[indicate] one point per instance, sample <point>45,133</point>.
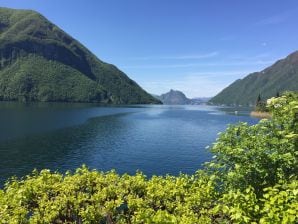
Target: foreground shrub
<point>252,179</point>
<point>90,196</point>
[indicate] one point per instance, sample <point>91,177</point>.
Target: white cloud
<point>276,19</point>
<point>188,65</point>
<point>195,84</point>
<point>178,57</point>
<point>197,56</point>
<point>220,74</point>
<point>207,79</point>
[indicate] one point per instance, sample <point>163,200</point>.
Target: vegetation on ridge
<point>40,62</point>
<point>251,179</point>
<point>281,76</point>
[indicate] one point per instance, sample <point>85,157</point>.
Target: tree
<point>252,178</point>
<point>260,105</point>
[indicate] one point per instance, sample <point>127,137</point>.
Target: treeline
<point>252,178</point>
<point>261,104</point>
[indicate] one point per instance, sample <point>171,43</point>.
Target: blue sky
<point>196,46</point>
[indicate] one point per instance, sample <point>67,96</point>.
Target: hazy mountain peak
<point>174,97</point>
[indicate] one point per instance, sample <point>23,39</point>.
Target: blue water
<point>153,139</point>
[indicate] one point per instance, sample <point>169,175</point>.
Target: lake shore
<point>260,114</point>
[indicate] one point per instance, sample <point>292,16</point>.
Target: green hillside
<point>40,62</point>
<point>281,76</point>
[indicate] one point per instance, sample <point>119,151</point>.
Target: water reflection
<point>153,139</point>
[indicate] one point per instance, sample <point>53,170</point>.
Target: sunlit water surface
<point>153,139</point>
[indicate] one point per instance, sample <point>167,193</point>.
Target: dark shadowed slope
<point>281,76</point>
<point>40,62</point>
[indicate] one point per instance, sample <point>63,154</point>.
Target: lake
<point>155,139</point>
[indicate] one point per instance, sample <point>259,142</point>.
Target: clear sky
<point>197,46</point>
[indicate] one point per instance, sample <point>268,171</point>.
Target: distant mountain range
<point>281,76</point>
<point>40,62</point>
<point>199,100</point>
<point>175,97</point>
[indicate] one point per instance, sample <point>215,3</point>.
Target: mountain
<point>174,97</point>
<point>281,76</point>
<point>199,100</point>
<point>40,62</point>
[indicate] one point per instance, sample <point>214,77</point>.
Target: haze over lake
<point>155,139</point>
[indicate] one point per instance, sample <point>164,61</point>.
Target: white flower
<point>277,105</point>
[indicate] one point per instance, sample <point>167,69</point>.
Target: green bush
<point>251,179</point>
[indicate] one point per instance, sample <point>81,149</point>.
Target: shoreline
<point>260,114</point>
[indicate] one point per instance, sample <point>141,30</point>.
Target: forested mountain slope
<point>40,62</point>
<point>281,76</point>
